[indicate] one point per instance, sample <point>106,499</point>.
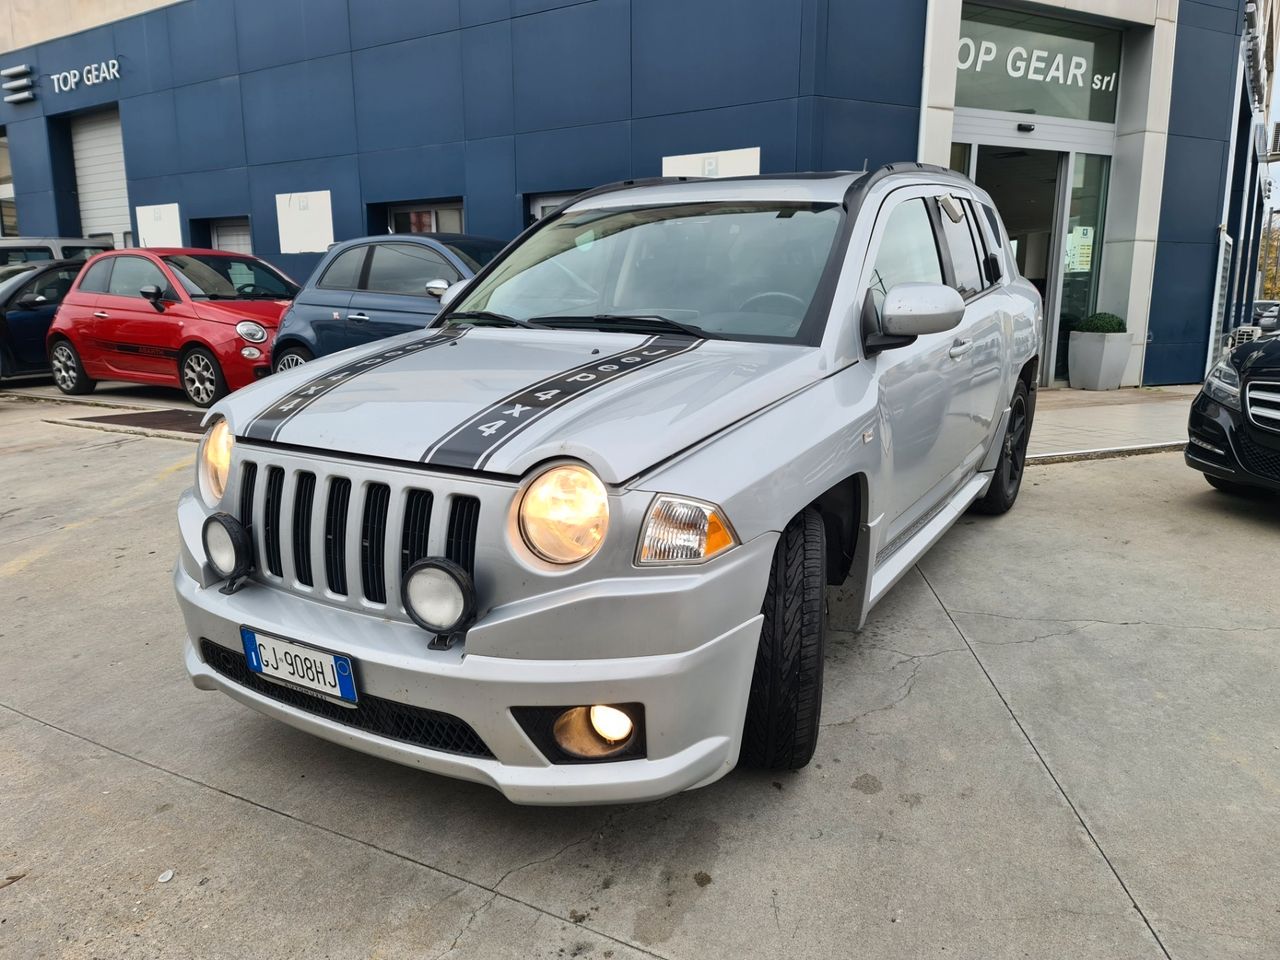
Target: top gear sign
<point>89,75</point>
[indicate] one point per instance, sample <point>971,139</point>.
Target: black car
<point>29,297</point>
<point>1234,429</point>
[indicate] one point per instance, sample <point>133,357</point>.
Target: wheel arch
<point>843,508</point>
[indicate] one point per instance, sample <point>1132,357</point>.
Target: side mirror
<point>152,294</point>
<point>30,301</point>
<point>451,293</point>
<point>437,288</point>
<point>915,310</point>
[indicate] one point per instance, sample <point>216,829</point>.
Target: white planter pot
<point>1096,361</point>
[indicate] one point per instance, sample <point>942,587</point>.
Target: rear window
<point>24,254</point>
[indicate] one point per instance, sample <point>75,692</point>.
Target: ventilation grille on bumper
<point>384,718</point>
<point>1257,459</point>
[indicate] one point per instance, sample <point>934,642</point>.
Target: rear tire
<point>1007,481</point>
<point>290,357</point>
<point>201,376</point>
<point>68,371</point>
<point>1233,488</point>
<point>785,702</point>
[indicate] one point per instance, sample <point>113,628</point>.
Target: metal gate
<point>232,235</point>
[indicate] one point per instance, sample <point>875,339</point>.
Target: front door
<point>30,311</point>
<point>139,341</point>
<point>394,298</point>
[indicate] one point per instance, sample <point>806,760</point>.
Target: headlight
<point>215,461</point>
<point>564,514</point>
<point>253,332</point>
<point>1223,385</point>
<point>680,530</point>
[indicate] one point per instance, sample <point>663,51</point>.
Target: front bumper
<point>694,698</point>
<point>1222,444</point>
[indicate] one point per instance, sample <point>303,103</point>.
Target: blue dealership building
<point>281,126</point>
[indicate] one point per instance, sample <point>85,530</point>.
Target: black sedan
<point>29,297</point>
<point>1234,429</point>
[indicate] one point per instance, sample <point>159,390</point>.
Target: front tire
<point>290,357</point>
<point>785,702</point>
<point>202,379</point>
<point>1007,481</point>
<point>68,371</point>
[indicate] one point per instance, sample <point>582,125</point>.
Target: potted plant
<point>1098,352</point>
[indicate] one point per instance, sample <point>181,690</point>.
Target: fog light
<point>593,732</point>
<point>438,595</point>
<point>228,546</point>
<point>250,353</point>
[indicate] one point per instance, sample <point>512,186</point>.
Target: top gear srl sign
<point>1023,63</point>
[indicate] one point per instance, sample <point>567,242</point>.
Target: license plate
<point>326,673</point>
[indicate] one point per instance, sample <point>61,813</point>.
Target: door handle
<point>102,314</point>
<point>358,317</point>
<point>959,349</point>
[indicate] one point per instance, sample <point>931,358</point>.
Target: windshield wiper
<point>489,316</point>
<point>629,323</point>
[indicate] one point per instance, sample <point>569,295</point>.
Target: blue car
<point>29,297</point>
<point>375,287</point>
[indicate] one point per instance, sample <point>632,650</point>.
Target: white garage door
<point>232,235</point>
<point>100,181</point>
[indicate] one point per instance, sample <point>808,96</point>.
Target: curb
<point>84,401</point>
<point>131,431</point>
<point>1107,453</point>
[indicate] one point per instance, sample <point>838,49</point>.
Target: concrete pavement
<point>1057,737</point>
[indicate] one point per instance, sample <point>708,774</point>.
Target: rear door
<point>139,341</point>
<point>30,311</point>
<point>393,298</point>
<point>978,346</point>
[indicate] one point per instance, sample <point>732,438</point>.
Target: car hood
<point>1258,357</point>
<point>265,312</point>
<point>502,400</point>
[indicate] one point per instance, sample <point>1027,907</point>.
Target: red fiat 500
<point>201,320</point>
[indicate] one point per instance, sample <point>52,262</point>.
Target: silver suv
<point>572,540</point>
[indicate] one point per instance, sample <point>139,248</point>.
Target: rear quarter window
<point>97,277</point>
<point>344,272</point>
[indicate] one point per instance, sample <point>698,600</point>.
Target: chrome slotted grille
<point>345,533</point>
<point>1262,404</point>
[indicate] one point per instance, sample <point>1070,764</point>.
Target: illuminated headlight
<point>253,332</point>
<point>564,514</point>
<point>1223,385</point>
<point>680,530</point>
<point>214,464</point>
<point>438,595</point>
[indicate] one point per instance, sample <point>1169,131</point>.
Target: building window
<point>426,217</point>
<point>541,204</point>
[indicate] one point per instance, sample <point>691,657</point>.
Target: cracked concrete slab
<point>927,826</point>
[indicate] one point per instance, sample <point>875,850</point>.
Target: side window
<point>964,256</point>
<point>51,286</point>
<point>96,277</point>
<point>24,255</point>
<point>406,268</point>
<point>908,252</point>
<point>131,274</point>
<point>344,272</point>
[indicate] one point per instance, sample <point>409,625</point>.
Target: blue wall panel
<point>202,35</point>
<point>149,126</point>
<point>755,55</point>
<point>300,110</point>
<point>493,205</point>
<point>409,93</point>
<point>488,92</point>
<point>572,66</point>
<point>210,127</point>
<point>386,21</point>
<point>853,134</point>
<point>857,62</point>
<point>433,172</point>
<point>770,126</point>
<point>572,158</point>
<point>285,31</point>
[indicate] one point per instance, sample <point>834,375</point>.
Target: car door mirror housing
<point>30,301</point>
<point>153,295</point>
<point>437,288</point>
<point>450,293</point>
<point>919,309</point>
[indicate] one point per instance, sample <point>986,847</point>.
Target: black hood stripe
<point>472,443</point>
<point>267,425</point>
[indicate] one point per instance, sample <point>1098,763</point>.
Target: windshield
<point>737,270</point>
<point>475,253</point>
<point>211,277</point>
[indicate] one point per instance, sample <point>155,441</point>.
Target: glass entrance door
<point>1053,204</point>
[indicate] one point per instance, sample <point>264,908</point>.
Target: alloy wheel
<point>289,361</point>
<point>64,367</point>
<point>199,378</point>
<point>1015,444</point>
